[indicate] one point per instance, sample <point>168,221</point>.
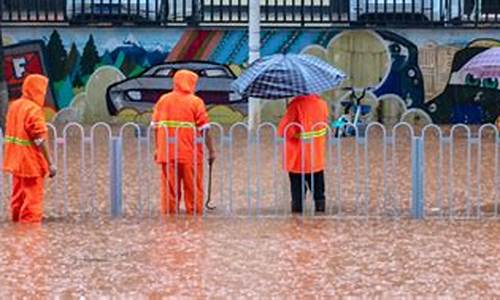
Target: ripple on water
<point>265,257</point>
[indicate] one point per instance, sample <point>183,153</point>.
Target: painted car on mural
<point>466,99</point>
<point>142,92</point>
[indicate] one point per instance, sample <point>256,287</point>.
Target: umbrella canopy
<point>485,64</point>
<point>282,76</point>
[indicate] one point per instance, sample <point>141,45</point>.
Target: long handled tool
<point>209,197</point>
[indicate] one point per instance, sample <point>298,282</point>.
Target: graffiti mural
<point>116,75</point>
<point>465,98</point>
<point>21,60</point>
<point>380,60</point>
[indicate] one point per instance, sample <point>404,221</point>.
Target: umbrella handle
<point>209,192</point>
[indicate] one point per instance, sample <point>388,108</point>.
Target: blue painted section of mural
<point>229,42</point>
<point>274,44</point>
<point>64,94</point>
<point>303,40</point>
<point>405,78</point>
<point>240,55</point>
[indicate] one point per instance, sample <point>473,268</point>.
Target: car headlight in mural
<point>134,95</point>
<point>142,92</point>
<point>466,98</point>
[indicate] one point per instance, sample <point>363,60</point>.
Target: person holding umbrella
<point>305,124</point>
<point>304,129</point>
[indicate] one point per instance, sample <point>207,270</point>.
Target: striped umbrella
<point>282,76</point>
<point>485,64</point>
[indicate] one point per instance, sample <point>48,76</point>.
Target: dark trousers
<point>318,180</point>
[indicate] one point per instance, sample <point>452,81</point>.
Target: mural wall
<point>116,75</point>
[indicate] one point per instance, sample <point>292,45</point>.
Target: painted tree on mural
<point>73,60</point>
<point>73,66</point>
<point>90,57</point>
<point>106,58</point>
<point>128,66</point>
<point>57,57</point>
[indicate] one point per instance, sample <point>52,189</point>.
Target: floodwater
<point>266,257</point>
<point>365,246</point>
<point>373,178</point>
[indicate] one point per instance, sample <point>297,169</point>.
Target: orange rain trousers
<point>27,199</point>
<point>171,187</point>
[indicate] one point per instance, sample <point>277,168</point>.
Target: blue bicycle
<point>354,113</point>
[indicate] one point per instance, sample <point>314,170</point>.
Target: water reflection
<point>227,258</point>
<point>25,259</point>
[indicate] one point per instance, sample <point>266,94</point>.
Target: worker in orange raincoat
<point>304,127</point>
<point>26,152</point>
<point>181,118</point>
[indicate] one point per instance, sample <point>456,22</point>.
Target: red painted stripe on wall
<point>181,45</point>
<point>204,45</point>
<point>190,52</point>
<point>211,45</point>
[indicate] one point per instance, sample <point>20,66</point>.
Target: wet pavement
<point>264,257</point>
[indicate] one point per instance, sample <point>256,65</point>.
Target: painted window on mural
<point>214,73</point>
<point>164,72</point>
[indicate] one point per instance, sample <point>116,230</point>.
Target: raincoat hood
<point>35,88</point>
<point>185,81</point>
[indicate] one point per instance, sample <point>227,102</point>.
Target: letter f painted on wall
<point>19,65</point>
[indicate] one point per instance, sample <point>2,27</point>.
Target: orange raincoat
<point>23,159</point>
<point>305,147</point>
<point>180,117</point>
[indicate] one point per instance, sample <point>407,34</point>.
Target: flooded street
<point>229,257</point>
<point>365,245</point>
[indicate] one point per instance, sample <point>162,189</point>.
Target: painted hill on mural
<point>138,53</point>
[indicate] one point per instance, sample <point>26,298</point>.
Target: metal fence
<point>397,172</point>
<point>412,13</point>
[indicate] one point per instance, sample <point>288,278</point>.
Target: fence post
<point>116,176</point>
<point>417,171</point>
